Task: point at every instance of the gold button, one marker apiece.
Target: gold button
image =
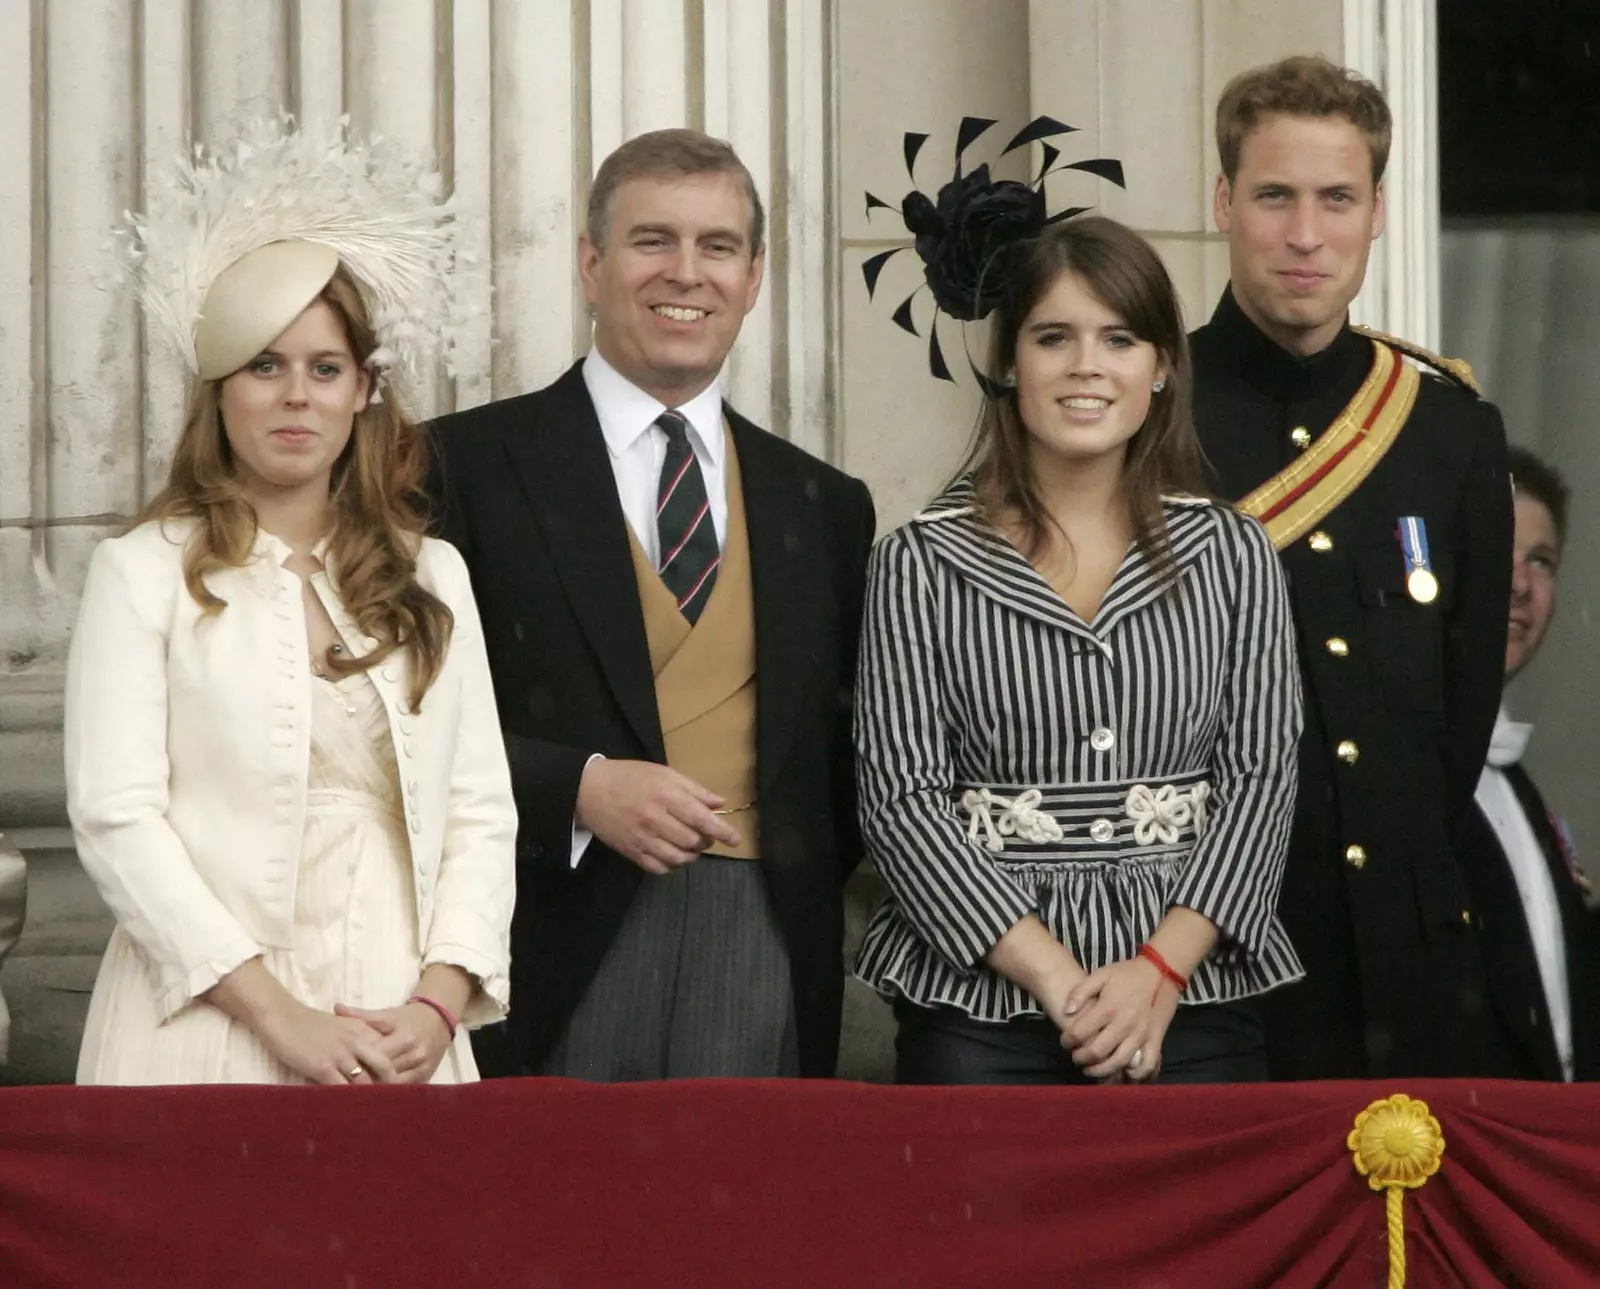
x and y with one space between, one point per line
1338 647
1300 437
1347 752
1320 542
1355 856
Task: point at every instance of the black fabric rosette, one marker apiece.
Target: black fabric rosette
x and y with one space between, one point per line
967 237
964 239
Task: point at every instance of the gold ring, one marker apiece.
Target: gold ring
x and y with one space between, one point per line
355 1073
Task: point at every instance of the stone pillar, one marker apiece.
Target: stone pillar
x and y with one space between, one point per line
517 101
1396 46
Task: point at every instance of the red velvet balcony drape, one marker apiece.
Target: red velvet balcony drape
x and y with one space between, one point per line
826 1186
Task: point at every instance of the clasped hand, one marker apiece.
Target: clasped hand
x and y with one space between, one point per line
351 1045
1114 1013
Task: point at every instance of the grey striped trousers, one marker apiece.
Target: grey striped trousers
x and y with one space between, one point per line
696 985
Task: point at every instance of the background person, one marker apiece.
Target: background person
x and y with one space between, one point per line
1539 938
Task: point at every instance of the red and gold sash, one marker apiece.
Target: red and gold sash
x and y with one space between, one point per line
1294 500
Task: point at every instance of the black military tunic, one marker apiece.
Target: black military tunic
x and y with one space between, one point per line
1400 699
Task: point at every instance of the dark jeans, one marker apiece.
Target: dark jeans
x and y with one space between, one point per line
1206 1043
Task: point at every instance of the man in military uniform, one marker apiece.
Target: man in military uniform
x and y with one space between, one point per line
1384 488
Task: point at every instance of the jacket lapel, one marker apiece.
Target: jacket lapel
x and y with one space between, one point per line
566 474
1577 928
782 576
953 531
1190 530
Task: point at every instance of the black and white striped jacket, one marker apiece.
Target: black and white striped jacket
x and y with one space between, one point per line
1160 740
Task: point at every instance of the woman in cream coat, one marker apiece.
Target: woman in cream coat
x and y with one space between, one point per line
285 771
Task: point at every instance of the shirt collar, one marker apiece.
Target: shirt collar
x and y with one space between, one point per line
1286 376
1509 741
626 412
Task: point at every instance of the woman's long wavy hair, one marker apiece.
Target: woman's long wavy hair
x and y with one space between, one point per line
1123 272
378 514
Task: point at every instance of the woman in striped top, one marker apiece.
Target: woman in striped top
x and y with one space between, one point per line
1078 712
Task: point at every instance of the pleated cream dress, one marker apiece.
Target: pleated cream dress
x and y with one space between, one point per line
355 923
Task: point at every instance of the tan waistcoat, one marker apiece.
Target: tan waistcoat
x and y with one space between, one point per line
706 674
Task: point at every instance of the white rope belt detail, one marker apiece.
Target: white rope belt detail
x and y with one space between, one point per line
1019 817
1159 814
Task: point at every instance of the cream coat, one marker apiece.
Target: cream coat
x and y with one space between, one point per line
188 745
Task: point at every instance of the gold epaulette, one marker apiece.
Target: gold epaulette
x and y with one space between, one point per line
1457 369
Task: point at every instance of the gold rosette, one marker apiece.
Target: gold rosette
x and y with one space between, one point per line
1397 1146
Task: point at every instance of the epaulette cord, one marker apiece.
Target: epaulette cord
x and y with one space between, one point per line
1458 370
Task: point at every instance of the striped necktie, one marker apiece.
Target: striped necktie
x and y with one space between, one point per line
689 552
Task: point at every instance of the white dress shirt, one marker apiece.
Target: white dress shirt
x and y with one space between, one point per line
637 448
1503 809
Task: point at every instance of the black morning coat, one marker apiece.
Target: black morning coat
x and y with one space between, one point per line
1396 971
1515 984
524 489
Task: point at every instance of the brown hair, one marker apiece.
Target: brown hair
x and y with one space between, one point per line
668 152
1123 272
375 494
1543 482
1305 85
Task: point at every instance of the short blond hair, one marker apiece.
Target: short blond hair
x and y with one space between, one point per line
668 152
1307 85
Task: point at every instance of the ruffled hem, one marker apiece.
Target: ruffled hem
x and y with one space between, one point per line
1128 902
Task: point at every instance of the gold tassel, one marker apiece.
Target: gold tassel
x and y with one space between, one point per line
1396 1145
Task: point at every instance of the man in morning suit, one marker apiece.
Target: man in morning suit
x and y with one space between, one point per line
1384 488
671 601
1541 939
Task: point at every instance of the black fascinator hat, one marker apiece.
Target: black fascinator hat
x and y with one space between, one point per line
967 236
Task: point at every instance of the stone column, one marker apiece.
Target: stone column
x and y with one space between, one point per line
1396 46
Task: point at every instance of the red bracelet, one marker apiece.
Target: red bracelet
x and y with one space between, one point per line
1149 954
445 1014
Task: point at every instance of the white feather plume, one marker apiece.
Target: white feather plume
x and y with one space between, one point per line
380 208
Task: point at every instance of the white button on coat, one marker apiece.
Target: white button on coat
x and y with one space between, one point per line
1102 740
1102 830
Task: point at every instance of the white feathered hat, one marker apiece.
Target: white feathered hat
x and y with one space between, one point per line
241 239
